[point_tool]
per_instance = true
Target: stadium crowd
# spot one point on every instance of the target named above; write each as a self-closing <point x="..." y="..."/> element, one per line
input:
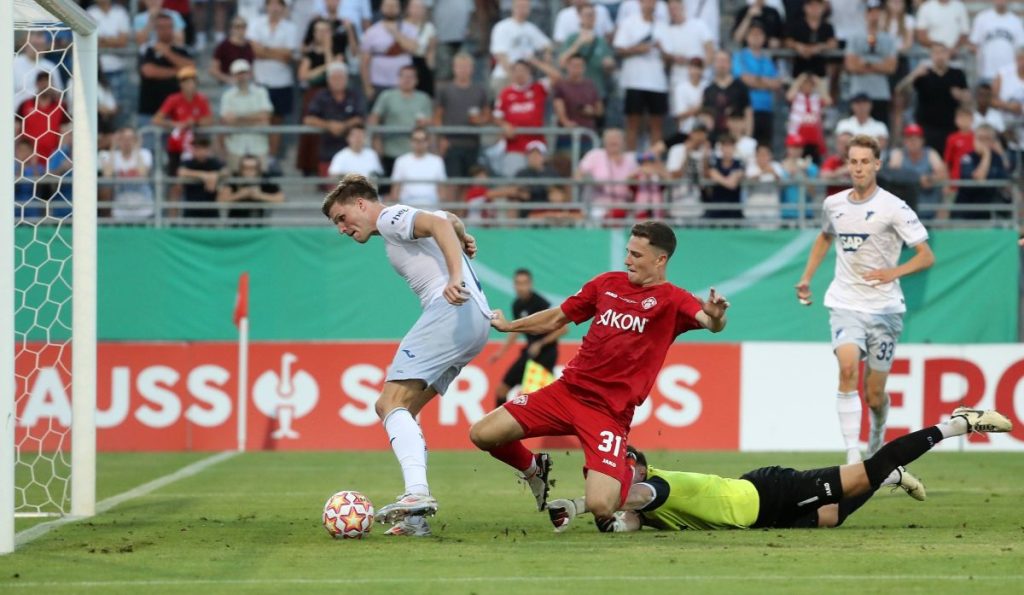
<point x="686" y="109"/>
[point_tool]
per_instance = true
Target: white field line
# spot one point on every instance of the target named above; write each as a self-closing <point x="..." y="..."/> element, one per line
<point x="692" y="578"/>
<point x="37" y="531"/>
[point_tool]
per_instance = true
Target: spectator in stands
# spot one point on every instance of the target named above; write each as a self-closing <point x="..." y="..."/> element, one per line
<point x="417" y="176"/>
<point x="796" y="166"/>
<point x="424" y="57"/>
<point x="356" y="157"/>
<point x="113" y="29"/>
<point x="451" y="17"/>
<point x="404" y="107"/>
<point x="688" y="161"/>
<point x="648" y="187"/>
<point x="145" y="24"/>
<point x="341" y="30"/>
<point x="757" y="11"/>
<point x="746" y="145"/>
<point x="521" y="105"/>
<point x="158" y="71"/>
<point x="1008" y="91"/>
<point x="685" y="39"/>
<point x="569" y="20"/>
<point x="357" y="13"/>
<point x="576" y="99"/>
<point x="984" y="113"/>
<point x="945" y="22"/>
<point x="108" y="111"/>
<point x="763" y="174"/>
<point x="727" y="95"/>
<point x="42" y="118"/>
<point x="536" y="167"/>
<point x="609" y="163"/>
<point x="638" y="41"/>
<point x="58" y="173"/>
<point x="128" y="159"/>
<point x="514" y="39"/>
<point x="688" y="96"/>
<point x="386" y="48"/>
<point x="847" y="19"/>
<point x="726" y="172"/>
<point x="275" y="42"/>
<point x="234" y="47"/>
<point x="184" y="8"/>
<point x="810" y="36"/>
<point x="870" y="59"/>
<point x="245" y="104"/>
<point x="256" y="189"/>
<point x="334" y="111"/>
<point x="926" y="164"/>
<point x="461" y="103"/>
<point x="994" y="36"/>
<point x="320" y="53"/>
<point x="807" y="103"/>
<point x="988" y="161"/>
<point x="861" y="121"/>
<point x="834" y="166"/>
<point x="203" y="167"/>
<point x="29" y="62"/>
<point x="181" y="113"/>
<point x="758" y="72"/>
<point x="29" y="169"/>
<point x="900" y="25"/>
<point x="631" y="8"/>
<point x="941" y="89"/>
<point x="220" y="10"/>
<point x="959" y="143"/>
<point x="592" y="47"/>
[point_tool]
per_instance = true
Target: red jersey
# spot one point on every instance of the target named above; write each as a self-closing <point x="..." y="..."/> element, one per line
<point x="523" y="107"/>
<point x="958" y="144"/>
<point x="41" y="124"/>
<point x="832" y="163"/>
<point x="625" y="347"/>
<point x="178" y="109"/>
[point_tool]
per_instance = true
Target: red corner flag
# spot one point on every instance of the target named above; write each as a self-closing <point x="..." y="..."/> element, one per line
<point x="242" y="299"/>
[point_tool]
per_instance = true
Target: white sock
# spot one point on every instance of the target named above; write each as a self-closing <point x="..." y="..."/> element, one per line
<point x="955" y="426"/>
<point x="410" y="449"/>
<point x="848" y="407"/>
<point x="532" y="469"/>
<point x="893" y="479"/>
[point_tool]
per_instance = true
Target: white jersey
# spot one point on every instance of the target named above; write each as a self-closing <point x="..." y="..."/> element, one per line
<point x="419" y="260"/>
<point x="870" y="236"/>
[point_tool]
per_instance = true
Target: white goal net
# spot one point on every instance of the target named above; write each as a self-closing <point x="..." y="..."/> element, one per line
<point x="47" y="255"/>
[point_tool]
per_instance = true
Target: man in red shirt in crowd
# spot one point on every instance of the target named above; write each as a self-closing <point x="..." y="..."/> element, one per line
<point x="521" y="105"/>
<point x="959" y="143"/>
<point x="181" y="112"/>
<point x="637" y="315"/>
<point x="42" y="117"/>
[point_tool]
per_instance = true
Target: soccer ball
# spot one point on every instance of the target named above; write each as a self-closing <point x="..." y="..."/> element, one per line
<point x="348" y="515"/>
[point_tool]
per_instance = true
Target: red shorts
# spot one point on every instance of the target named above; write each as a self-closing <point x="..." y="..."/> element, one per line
<point x="555" y="411"/>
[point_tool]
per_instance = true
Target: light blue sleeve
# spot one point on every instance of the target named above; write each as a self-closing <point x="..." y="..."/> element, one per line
<point x="737" y="64"/>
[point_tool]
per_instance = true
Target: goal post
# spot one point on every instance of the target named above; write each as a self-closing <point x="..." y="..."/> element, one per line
<point x="51" y="17"/>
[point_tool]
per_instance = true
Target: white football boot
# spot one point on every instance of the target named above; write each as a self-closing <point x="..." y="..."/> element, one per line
<point x="538" y="482"/>
<point x="562" y="512"/>
<point x="910" y="484"/>
<point x="407" y="505"/>
<point x="410" y="526"/>
<point x="983" y="421"/>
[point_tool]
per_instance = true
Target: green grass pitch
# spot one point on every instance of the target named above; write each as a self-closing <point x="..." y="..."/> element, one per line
<point x="251" y="524"/>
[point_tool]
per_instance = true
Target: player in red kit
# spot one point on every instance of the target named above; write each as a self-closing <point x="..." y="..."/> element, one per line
<point x="636" y="315"/>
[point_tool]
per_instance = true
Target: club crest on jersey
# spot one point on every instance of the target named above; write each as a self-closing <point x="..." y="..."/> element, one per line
<point x="868" y="215"/>
<point x="623" y="322"/>
<point x="520" y="399"/>
<point x="649" y="303"/>
<point x="852" y="241"/>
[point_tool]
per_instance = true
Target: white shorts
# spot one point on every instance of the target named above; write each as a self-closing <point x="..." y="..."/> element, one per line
<point x="444" y="339"/>
<point x="875" y="334"/>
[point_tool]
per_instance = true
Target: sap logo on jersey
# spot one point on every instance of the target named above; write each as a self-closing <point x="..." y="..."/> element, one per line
<point x="852" y="241"/>
<point x="624" y="322"/>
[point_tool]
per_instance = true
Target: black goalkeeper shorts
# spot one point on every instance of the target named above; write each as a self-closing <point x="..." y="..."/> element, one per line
<point x="789" y="496"/>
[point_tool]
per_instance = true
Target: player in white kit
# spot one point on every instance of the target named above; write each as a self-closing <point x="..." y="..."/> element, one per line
<point x="429" y="249"/>
<point x="865" y="299"/>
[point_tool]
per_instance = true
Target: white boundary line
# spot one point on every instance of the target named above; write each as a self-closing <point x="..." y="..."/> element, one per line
<point x="693" y="578"/>
<point x="33" y="533"/>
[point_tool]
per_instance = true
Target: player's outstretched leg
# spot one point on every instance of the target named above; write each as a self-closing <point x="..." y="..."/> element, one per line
<point x="878" y="407"/>
<point x="499" y="434"/>
<point x="397" y="406"/>
<point x="848" y="403"/>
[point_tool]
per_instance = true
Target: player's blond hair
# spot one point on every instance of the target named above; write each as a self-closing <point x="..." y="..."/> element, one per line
<point x="350" y="188"/>
<point x="867" y="142"/>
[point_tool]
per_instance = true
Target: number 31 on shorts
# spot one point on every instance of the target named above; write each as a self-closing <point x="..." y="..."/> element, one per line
<point x="610" y="443"/>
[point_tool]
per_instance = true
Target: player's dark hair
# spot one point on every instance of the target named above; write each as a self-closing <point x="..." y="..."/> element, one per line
<point x="522" y="271"/>
<point x="658" y="234"/>
<point x="636" y="455"/>
<point x="351" y="188"/>
<point x="866" y="142"/>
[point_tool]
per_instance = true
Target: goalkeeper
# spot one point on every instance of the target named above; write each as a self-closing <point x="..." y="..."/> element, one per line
<point x="773" y="496"/>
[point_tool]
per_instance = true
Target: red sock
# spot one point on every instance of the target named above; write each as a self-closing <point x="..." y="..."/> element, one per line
<point x="513" y="454"/>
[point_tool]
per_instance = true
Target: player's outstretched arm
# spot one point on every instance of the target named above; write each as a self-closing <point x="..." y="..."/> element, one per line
<point x="922" y="259"/>
<point x="541" y="323"/>
<point x="712" y="316"/>
<point x="441" y="229"/>
<point x="818" y="252"/>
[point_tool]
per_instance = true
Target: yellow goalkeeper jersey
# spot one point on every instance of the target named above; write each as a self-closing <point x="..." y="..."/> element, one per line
<point x="699" y="501"/>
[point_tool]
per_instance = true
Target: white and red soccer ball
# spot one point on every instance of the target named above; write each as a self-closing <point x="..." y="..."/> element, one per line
<point x="348" y="515"/>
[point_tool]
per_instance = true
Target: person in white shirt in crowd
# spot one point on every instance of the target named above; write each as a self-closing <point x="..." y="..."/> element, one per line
<point x="275" y="41"/>
<point x="761" y="204"/>
<point x="357" y="157"/>
<point x="847" y="18"/>
<point x="1008" y="91"/>
<point x="245" y="104"/>
<point x="113" y="28"/>
<point x="29" y="62"/>
<point x="630" y="8"/>
<point x="638" y="41"/>
<point x="708" y="12"/>
<point x="861" y="121"/>
<point x="984" y="112"/>
<point x="128" y="159"/>
<point x="568" y="20"/>
<point x="685" y="38"/>
<point x="416" y="177"/>
<point x="514" y="39"/>
<point x="386" y="47"/>
<point x="943" y="21"/>
<point x="688" y="161"/>
<point x="688" y="95"/>
<point x="996" y="32"/>
<point x="144" y="23"/>
<point x="746" y="146"/>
